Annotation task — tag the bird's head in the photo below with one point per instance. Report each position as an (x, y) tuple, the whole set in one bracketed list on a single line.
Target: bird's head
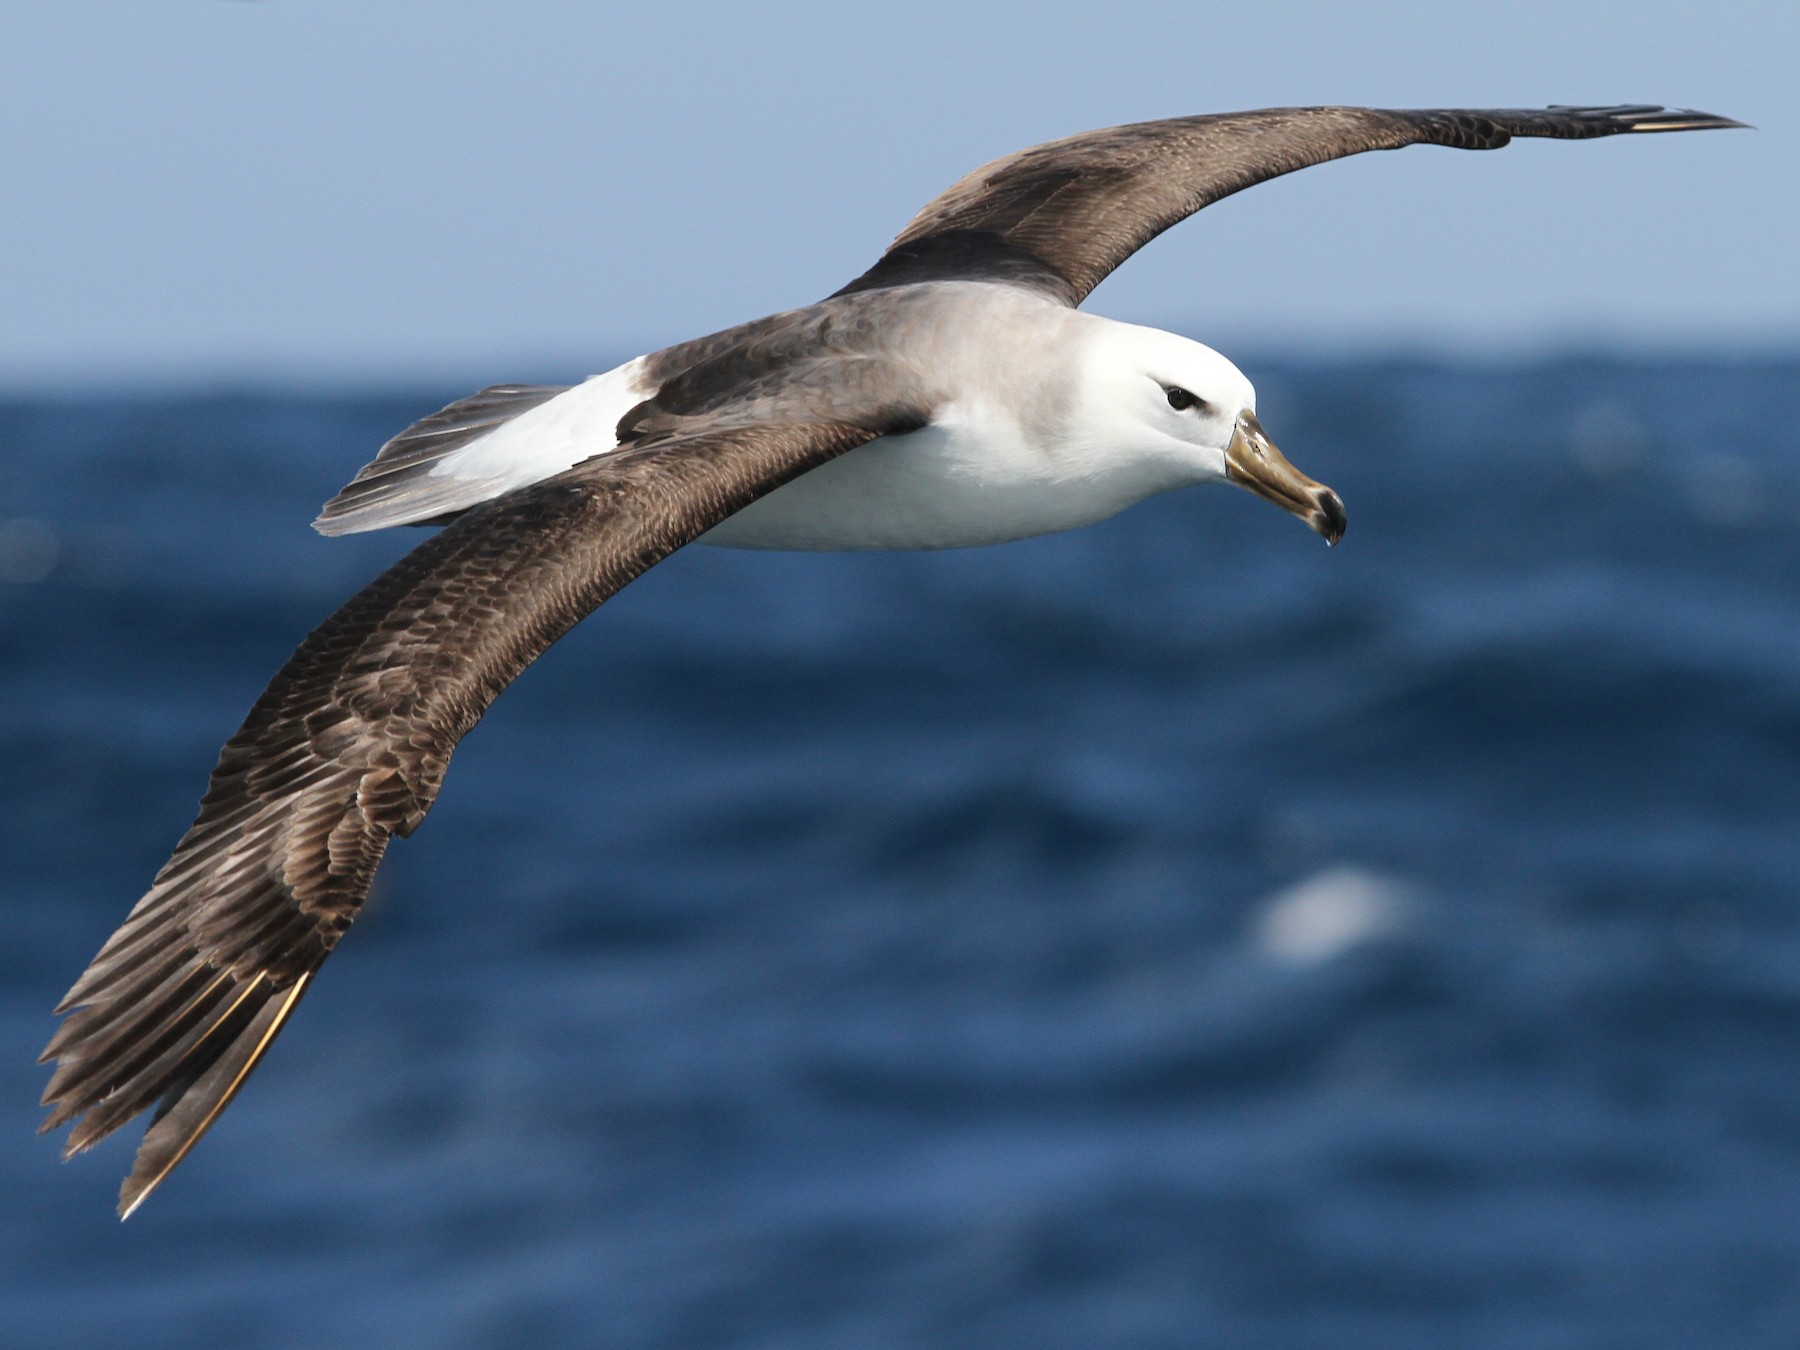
[(1188, 408)]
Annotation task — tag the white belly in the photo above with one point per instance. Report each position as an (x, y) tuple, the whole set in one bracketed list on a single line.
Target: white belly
[(959, 483)]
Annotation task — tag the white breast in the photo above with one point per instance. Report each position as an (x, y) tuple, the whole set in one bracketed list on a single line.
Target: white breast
[(970, 478)]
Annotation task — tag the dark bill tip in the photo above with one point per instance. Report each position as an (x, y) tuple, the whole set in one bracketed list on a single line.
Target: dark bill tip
[(1328, 516)]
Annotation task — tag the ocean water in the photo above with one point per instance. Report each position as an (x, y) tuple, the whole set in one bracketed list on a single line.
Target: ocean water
[(1169, 934)]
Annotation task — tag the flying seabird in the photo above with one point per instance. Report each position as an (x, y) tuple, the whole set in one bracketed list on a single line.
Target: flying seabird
[(952, 395)]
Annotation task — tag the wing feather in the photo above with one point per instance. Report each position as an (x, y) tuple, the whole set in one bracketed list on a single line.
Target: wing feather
[(347, 748), (1059, 217)]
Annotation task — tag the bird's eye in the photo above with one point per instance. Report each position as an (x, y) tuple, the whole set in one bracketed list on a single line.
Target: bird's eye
[(1180, 400)]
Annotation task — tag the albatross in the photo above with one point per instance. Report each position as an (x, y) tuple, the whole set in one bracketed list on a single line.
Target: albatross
[(952, 395)]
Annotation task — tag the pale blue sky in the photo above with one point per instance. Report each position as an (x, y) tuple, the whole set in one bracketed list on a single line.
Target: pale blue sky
[(203, 191)]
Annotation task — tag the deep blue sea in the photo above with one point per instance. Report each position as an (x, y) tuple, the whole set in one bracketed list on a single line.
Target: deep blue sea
[(1169, 934)]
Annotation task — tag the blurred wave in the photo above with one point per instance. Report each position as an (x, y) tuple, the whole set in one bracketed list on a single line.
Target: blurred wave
[(1167, 934)]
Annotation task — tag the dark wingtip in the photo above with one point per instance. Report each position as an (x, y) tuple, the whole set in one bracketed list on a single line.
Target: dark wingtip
[(193, 1103), (1650, 117), (1683, 119)]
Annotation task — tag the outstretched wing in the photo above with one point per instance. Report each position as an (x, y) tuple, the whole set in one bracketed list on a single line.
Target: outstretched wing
[(347, 748), (1060, 216)]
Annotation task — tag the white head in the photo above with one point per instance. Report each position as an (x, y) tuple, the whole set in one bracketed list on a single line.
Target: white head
[(1164, 399), (1183, 414)]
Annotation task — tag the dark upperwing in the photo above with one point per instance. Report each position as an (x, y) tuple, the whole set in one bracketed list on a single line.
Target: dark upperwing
[(1060, 216)]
